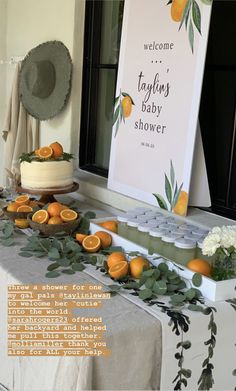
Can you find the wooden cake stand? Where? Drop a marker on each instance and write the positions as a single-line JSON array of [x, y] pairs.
[[47, 195]]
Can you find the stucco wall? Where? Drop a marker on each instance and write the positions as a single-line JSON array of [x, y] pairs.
[[31, 22]]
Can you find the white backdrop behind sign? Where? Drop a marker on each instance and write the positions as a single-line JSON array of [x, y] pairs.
[[157, 102]]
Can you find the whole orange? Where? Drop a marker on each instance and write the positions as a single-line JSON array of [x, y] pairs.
[[137, 265], [199, 266], [57, 149], [115, 258], [110, 225], [54, 209], [105, 237]]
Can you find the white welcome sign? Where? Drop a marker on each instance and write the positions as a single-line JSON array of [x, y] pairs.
[[157, 100]]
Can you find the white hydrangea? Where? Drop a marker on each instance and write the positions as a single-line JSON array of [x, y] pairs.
[[228, 237], [223, 237], [211, 243]]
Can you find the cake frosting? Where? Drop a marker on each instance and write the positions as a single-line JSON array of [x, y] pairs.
[[46, 174]]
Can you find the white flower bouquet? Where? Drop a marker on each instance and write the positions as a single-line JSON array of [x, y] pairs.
[[221, 243]]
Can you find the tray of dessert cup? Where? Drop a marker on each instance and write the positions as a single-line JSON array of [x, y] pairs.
[[210, 289]]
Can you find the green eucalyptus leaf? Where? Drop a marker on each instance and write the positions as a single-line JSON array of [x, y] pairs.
[[7, 242], [79, 267], [52, 274], [54, 253], [197, 279], [160, 287], [190, 294], [113, 288], [178, 298], [161, 202], [64, 262], [92, 260], [172, 287], [57, 244], [145, 294], [131, 285], [89, 215], [39, 254], [53, 266], [195, 307], [25, 254], [8, 230], [68, 271], [150, 282], [156, 274], [142, 280], [163, 267], [148, 273], [73, 246], [171, 275], [84, 225]]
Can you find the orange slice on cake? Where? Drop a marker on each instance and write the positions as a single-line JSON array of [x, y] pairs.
[[57, 149], [68, 215], [91, 243], [41, 216], [45, 152]]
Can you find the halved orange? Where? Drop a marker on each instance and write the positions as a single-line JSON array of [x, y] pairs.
[[22, 200], [41, 216], [57, 149], [80, 237], [115, 257], [45, 152], [36, 152], [55, 220], [68, 215], [119, 270], [22, 223], [24, 208], [91, 243], [12, 207]]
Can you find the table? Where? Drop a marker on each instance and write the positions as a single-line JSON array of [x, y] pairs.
[[143, 347]]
